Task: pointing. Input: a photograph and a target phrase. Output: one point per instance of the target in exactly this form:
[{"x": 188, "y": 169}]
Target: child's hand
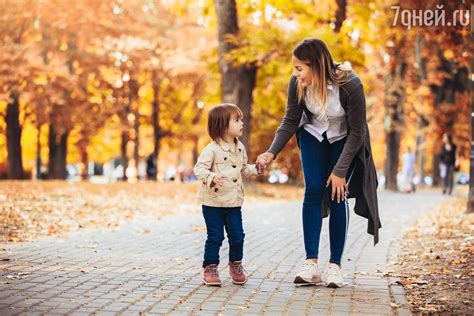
[
  {"x": 265, "y": 158},
  {"x": 219, "y": 180},
  {"x": 260, "y": 168}
]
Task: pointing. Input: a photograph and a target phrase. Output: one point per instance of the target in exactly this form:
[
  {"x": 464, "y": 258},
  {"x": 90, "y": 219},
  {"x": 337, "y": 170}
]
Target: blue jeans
[
  {"x": 318, "y": 160},
  {"x": 218, "y": 218}
]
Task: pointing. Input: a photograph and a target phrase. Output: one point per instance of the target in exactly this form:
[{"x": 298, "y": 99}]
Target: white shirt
[{"x": 333, "y": 122}]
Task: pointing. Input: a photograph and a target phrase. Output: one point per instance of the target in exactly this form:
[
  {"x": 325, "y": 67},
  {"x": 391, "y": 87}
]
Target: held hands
[
  {"x": 339, "y": 186},
  {"x": 262, "y": 161},
  {"x": 265, "y": 159}
]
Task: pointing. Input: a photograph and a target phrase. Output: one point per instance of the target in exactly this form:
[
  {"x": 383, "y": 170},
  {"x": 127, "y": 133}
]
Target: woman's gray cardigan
[{"x": 355, "y": 162}]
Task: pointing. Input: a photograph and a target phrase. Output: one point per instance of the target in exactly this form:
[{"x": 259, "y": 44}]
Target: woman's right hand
[{"x": 265, "y": 158}]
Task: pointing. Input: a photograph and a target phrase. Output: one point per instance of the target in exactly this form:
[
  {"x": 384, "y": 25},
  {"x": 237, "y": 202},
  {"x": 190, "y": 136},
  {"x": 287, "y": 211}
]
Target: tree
[
  {"x": 470, "y": 206},
  {"x": 15, "y": 27},
  {"x": 237, "y": 81},
  {"x": 15, "y": 162}
]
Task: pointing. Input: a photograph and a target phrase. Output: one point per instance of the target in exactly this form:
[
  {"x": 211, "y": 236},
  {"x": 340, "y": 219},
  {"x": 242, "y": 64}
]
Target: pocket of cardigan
[{"x": 221, "y": 192}]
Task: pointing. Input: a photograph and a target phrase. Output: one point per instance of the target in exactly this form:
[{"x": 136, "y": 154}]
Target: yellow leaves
[
  {"x": 32, "y": 209},
  {"x": 63, "y": 47},
  {"x": 459, "y": 260},
  {"x": 436, "y": 258},
  {"x": 446, "y": 271},
  {"x": 53, "y": 208},
  {"x": 41, "y": 79},
  {"x": 448, "y": 54},
  {"x": 95, "y": 99},
  {"x": 198, "y": 228}
]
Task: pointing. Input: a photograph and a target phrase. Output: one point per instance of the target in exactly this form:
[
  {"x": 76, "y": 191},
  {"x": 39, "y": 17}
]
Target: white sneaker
[
  {"x": 309, "y": 273},
  {"x": 334, "y": 276}
]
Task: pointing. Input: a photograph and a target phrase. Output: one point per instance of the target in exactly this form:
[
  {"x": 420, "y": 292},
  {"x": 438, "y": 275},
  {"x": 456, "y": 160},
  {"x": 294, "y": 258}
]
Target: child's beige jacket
[{"x": 225, "y": 160}]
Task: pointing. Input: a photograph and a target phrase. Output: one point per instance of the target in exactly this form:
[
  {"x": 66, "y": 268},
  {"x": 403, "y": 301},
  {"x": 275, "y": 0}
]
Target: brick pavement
[{"x": 154, "y": 267}]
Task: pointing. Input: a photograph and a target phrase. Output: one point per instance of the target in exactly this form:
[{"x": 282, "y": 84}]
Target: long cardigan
[{"x": 355, "y": 162}]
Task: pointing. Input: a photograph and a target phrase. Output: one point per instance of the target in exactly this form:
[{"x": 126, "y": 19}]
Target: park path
[{"x": 154, "y": 267}]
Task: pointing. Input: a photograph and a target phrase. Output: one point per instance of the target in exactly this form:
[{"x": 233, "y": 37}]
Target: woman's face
[
  {"x": 445, "y": 138},
  {"x": 303, "y": 72}
]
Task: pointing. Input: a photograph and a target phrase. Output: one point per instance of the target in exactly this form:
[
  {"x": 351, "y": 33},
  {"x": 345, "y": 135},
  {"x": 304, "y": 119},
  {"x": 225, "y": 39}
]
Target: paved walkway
[{"x": 154, "y": 267}]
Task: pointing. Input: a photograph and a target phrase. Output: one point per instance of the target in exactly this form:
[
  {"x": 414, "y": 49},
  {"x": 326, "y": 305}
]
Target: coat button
[
  {"x": 235, "y": 180},
  {"x": 234, "y": 166},
  {"x": 216, "y": 189},
  {"x": 225, "y": 158},
  {"x": 240, "y": 149}
]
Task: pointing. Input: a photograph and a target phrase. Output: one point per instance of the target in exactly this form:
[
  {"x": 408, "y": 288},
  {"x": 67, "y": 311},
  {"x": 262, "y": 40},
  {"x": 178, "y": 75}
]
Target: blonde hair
[
  {"x": 315, "y": 54},
  {"x": 219, "y": 118}
]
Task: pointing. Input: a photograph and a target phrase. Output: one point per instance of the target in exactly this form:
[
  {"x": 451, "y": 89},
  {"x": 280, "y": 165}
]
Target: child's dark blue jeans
[{"x": 217, "y": 219}]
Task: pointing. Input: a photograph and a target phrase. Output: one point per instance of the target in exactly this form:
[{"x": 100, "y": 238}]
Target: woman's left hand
[{"x": 339, "y": 186}]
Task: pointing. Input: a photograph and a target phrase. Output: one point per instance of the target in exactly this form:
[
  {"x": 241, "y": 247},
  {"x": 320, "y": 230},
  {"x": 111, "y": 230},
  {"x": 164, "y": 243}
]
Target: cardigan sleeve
[
  {"x": 248, "y": 170},
  {"x": 202, "y": 169},
  {"x": 357, "y": 123},
  {"x": 289, "y": 124}
]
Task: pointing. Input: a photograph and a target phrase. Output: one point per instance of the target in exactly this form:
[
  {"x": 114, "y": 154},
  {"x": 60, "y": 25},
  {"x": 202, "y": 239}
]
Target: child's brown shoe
[
  {"x": 211, "y": 275},
  {"x": 237, "y": 273}
]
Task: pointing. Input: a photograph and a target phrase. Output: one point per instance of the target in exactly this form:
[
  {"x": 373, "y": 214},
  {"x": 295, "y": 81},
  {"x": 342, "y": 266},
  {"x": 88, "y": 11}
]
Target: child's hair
[{"x": 219, "y": 118}]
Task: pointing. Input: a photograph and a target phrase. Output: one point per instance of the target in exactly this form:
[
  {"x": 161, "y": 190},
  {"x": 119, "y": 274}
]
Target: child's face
[
  {"x": 302, "y": 71},
  {"x": 236, "y": 126}
]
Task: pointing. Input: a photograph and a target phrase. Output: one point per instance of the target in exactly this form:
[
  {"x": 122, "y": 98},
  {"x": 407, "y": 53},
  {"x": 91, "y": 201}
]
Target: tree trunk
[
  {"x": 15, "y": 162},
  {"x": 394, "y": 98},
  {"x": 123, "y": 153},
  {"x": 195, "y": 140},
  {"x": 156, "y": 119},
  {"x": 420, "y": 154},
  {"x": 420, "y": 127},
  {"x": 392, "y": 159},
  {"x": 57, "y": 152},
  {"x": 436, "y": 175},
  {"x": 85, "y": 162},
  {"x": 38, "y": 154},
  {"x": 340, "y": 14},
  {"x": 136, "y": 148},
  {"x": 470, "y": 205},
  {"x": 60, "y": 125},
  {"x": 237, "y": 82},
  {"x": 132, "y": 94}
]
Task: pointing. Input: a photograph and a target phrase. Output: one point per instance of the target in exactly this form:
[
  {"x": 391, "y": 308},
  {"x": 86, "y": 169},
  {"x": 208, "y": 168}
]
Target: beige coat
[{"x": 225, "y": 160}]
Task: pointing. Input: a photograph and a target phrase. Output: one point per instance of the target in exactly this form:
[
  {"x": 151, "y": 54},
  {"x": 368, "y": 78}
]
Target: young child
[{"x": 220, "y": 168}]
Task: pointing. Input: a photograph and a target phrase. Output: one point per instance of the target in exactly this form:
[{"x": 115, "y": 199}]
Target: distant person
[
  {"x": 151, "y": 167},
  {"x": 220, "y": 167},
  {"x": 448, "y": 163},
  {"x": 408, "y": 171}
]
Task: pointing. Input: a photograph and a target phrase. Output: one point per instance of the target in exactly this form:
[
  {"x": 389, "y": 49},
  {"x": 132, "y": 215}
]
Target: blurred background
[{"x": 109, "y": 91}]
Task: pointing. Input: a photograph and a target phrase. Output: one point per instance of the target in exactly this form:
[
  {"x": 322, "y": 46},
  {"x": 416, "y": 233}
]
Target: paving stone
[{"x": 161, "y": 272}]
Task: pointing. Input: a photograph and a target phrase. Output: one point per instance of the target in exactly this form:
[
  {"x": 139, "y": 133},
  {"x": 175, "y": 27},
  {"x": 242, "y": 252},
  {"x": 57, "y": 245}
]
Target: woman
[
  {"x": 326, "y": 110},
  {"x": 448, "y": 163},
  {"x": 408, "y": 171}
]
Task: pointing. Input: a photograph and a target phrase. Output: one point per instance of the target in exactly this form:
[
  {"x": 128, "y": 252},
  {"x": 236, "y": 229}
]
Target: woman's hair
[
  {"x": 314, "y": 53},
  {"x": 449, "y": 138},
  {"x": 219, "y": 118}
]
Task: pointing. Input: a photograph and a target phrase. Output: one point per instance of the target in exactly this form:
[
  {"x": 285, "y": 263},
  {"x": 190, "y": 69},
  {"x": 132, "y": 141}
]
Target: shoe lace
[
  {"x": 307, "y": 266},
  {"x": 333, "y": 270},
  {"x": 237, "y": 268},
  {"x": 212, "y": 270}
]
